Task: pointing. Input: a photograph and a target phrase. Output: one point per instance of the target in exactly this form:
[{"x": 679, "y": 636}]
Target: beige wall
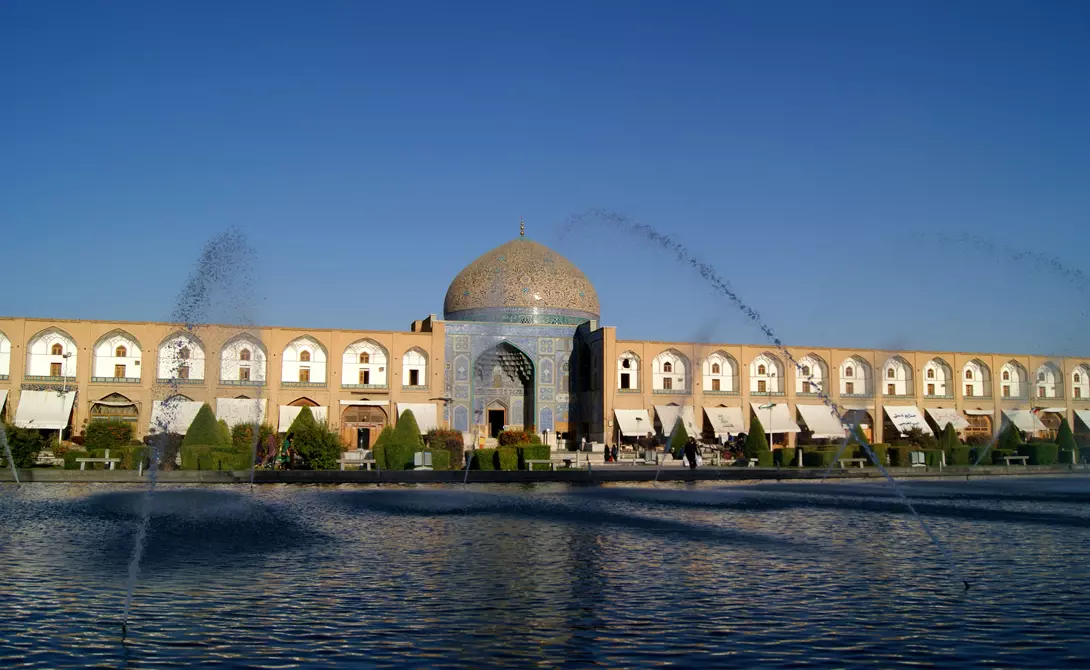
[{"x": 275, "y": 339}]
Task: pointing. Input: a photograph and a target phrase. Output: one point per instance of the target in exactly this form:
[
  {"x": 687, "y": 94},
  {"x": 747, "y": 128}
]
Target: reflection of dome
[{"x": 521, "y": 282}]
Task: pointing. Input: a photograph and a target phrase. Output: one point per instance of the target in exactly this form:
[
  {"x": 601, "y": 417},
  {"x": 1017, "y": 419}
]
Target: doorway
[
  {"x": 363, "y": 438},
  {"x": 496, "y": 421}
]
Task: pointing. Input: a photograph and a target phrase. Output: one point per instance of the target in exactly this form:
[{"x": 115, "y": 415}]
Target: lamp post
[{"x": 64, "y": 392}]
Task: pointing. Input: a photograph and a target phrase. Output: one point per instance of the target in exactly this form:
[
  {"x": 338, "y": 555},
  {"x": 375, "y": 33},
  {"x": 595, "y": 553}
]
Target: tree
[
  {"x": 317, "y": 446},
  {"x": 756, "y": 441},
  {"x": 303, "y": 422},
  {"x": 948, "y": 439},
  {"x": 1065, "y": 438},
  {"x": 225, "y": 432},
  {"x": 919, "y": 439},
  {"x": 205, "y": 431},
  {"x": 1011, "y": 438},
  {"x": 24, "y": 444},
  {"x": 407, "y": 432},
  {"x": 678, "y": 439}
]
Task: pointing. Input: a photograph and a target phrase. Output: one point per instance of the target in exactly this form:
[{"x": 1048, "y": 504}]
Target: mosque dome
[{"x": 521, "y": 282}]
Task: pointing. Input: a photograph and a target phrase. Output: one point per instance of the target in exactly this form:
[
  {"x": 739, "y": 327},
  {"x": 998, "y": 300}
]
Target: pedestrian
[
  {"x": 690, "y": 453},
  {"x": 615, "y": 451}
]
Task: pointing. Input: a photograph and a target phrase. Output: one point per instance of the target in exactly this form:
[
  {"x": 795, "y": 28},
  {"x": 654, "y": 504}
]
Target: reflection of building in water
[{"x": 520, "y": 345}]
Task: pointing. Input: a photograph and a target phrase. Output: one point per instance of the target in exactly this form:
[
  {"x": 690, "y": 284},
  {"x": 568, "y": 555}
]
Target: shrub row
[
  {"x": 131, "y": 457},
  {"x": 107, "y": 434},
  {"x": 508, "y": 458},
  {"x": 214, "y": 458}
]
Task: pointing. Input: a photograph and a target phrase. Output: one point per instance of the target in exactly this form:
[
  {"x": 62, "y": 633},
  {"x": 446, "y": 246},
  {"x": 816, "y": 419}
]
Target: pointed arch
[
  {"x": 720, "y": 373},
  {"x": 937, "y": 379},
  {"x": 364, "y": 364},
  {"x": 811, "y": 375},
  {"x": 414, "y": 368},
  {"x": 51, "y": 352},
  {"x": 670, "y": 372},
  {"x": 976, "y": 379},
  {"x": 114, "y": 407},
  {"x": 243, "y": 361},
  {"x": 181, "y": 358},
  {"x": 897, "y": 377},
  {"x": 116, "y": 356},
  {"x": 1080, "y": 382},
  {"x": 856, "y": 378},
  {"x": 1013, "y": 381},
  {"x": 766, "y": 374},
  {"x": 1049, "y": 381},
  {"x": 628, "y": 371},
  {"x": 304, "y": 362},
  {"x": 5, "y": 356}
]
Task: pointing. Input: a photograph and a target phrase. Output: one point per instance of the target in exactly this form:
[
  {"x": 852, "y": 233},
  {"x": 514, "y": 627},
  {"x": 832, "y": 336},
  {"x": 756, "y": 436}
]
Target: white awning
[
  {"x": 1057, "y": 410},
  {"x": 175, "y": 418},
  {"x": 289, "y": 412},
  {"x": 114, "y": 403},
  {"x": 822, "y": 422},
  {"x": 1083, "y": 414},
  {"x": 980, "y": 412},
  {"x": 365, "y": 403},
  {"x": 634, "y": 422},
  {"x": 943, "y": 416},
  {"x": 857, "y": 407},
  {"x": 44, "y": 409},
  {"x": 780, "y": 418},
  {"x": 424, "y": 412},
  {"x": 237, "y": 411},
  {"x": 668, "y": 415},
  {"x": 907, "y": 417},
  {"x": 726, "y": 420},
  {"x": 1025, "y": 420}
]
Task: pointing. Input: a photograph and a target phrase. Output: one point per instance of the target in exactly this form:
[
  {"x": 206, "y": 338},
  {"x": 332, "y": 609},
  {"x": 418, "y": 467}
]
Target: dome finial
[{"x": 522, "y": 228}]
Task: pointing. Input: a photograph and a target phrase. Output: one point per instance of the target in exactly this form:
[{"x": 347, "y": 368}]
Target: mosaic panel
[
  {"x": 461, "y": 391},
  {"x": 545, "y": 419},
  {"x": 461, "y": 368},
  {"x": 545, "y": 393},
  {"x": 461, "y": 343},
  {"x": 545, "y": 346},
  {"x": 461, "y": 418},
  {"x": 546, "y": 372}
]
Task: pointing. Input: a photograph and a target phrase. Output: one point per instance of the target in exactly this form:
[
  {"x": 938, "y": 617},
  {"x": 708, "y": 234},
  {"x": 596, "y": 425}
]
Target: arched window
[
  {"x": 1006, "y": 375},
  {"x": 626, "y": 363},
  {"x": 57, "y": 349},
  {"x": 365, "y": 358},
  {"x": 121, "y": 352},
  {"x": 184, "y": 353},
  {"x": 891, "y": 373},
  {"x": 304, "y": 356},
  {"x": 1078, "y": 379},
  {"x": 244, "y": 355},
  {"x": 761, "y": 370},
  {"x": 667, "y": 367},
  {"x": 715, "y": 369},
  {"x": 930, "y": 373},
  {"x": 806, "y": 371},
  {"x": 968, "y": 374},
  {"x": 849, "y": 372}
]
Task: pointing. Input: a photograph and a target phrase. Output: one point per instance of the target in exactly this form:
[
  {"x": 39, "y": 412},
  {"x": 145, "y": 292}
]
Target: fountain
[{"x": 7, "y": 453}]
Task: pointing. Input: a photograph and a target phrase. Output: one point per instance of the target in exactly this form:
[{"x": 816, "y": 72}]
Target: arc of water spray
[
  {"x": 7, "y": 454},
  {"x": 721, "y": 286}
]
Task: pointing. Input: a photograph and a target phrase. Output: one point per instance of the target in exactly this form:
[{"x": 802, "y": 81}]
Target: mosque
[{"x": 520, "y": 345}]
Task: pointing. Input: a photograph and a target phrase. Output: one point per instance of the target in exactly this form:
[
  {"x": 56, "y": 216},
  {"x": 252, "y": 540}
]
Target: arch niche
[
  {"x": 503, "y": 381},
  {"x": 115, "y": 407},
  {"x": 361, "y": 424}
]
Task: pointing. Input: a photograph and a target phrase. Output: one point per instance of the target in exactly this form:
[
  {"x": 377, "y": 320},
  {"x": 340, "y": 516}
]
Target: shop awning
[
  {"x": 289, "y": 412},
  {"x": 726, "y": 420},
  {"x": 365, "y": 403},
  {"x": 781, "y": 418},
  {"x": 943, "y": 416},
  {"x": 822, "y": 422},
  {"x": 44, "y": 409},
  {"x": 634, "y": 422},
  {"x": 175, "y": 417},
  {"x": 1057, "y": 410},
  {"x": 907, "y": 417},
  {"x": 237, "y": 411},
  {"x": 1083, "y": 414},
  {"x": 845, "y": 406},
  {"x": 980, "y": 412},
  {"x": 424, "y": 413},
  {"x": 1025, "y": 420},
  {"x": 668, "y": 415}
]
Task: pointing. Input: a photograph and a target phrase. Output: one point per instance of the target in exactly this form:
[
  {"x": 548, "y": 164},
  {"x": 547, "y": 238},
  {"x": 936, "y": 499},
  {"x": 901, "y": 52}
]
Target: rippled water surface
[{"x": 745, "y": 575}]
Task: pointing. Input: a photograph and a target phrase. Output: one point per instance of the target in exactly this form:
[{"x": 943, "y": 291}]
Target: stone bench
[
  {"x": 860, "y": 461},
  {"x": 531, "y": 462},
  {"x": 358, "y": 458},
  {"x": 1024, "y": 459},
  {"x": 105, "y": 459}
]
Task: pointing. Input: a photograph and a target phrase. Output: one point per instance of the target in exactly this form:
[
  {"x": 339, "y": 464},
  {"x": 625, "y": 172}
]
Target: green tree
[
  {"x": 1010, "y": 438},
  {"x": 948, "y": 439},
  {"x": 407, "y": 432},
  {"x": 1065, "y": 438},
  {"x": 24, "y": 444},
  {"x": 678, "y": 439},
  {"x": 205, "y": 431},
  {"x": 303, "y": 422},
  {"x": 225, "y": 432},
  {"x": 317, "y": 446},
  {"x": 385, "y": 437},
  {"x": 756, "y": 441}
]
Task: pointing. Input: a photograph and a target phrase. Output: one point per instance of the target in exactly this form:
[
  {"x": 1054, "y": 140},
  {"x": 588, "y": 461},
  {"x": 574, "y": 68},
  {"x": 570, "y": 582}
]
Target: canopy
[
  {"x": 1083, "y": 414},
  {"x": 781, "y": 418},
  {"x": 424, "y": 413},
  {"x": 943, "y": 416},
  {"x": 175, "y": 418},
  {"x": 1057, "y": 410},
  {"x": 726, "y": 420},
  {"x": 634, "y": 422},
  {"x": 1025, "y": 420},
  {"x": 289, "y": 412},
  {"x": 907, "y": 417},
  {"x": 980, "y": 412},
  {"x": 236, "y": 411},
  {"x": 822, "y": 422},
  {"x": 668, "y": 415},
  {"x": 366, "y": 403},
  {"x": 44, "y": 409}
]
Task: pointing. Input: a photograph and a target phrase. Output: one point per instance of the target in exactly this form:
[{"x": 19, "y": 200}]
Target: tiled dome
[{"x": 521, "y": 282}]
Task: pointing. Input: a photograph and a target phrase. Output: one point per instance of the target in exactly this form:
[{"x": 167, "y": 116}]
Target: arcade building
[{"x": 520, "y": 345}]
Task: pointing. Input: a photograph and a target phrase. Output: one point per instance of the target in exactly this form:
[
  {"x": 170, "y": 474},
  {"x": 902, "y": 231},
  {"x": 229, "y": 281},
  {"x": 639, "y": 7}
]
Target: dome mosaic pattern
[{"x": 521, "y": 282}]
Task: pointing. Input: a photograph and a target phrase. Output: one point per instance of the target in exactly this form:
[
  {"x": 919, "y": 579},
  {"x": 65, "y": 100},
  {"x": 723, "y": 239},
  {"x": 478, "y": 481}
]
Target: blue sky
[{"x": 815, "y": 153}]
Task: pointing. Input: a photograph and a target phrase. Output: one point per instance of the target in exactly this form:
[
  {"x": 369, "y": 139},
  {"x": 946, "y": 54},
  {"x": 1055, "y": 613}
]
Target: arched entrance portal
[
  {"x": 361, "y": 425},
  {"x": 503, "y": 380},
  {"x": 115, "y": 407}
]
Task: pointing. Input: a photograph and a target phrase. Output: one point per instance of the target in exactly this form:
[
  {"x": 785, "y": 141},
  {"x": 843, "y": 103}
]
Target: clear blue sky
[{"x": 812, "y": 151}]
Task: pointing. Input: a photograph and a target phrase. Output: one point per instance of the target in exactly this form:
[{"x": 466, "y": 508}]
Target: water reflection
[{"x": 831, "y": 574}]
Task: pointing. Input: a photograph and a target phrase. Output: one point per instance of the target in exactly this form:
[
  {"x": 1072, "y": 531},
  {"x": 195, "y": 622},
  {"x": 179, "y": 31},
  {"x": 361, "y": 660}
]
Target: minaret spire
[{"x": 522, "y": 228}]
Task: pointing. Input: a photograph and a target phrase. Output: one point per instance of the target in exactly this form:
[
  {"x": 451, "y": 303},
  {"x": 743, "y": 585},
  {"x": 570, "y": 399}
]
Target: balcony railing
[
  {"x": 303, "y": 385},
  {"x": 938, "y": 396},
  {"x": 807, "y": 394},
  {"x": 242, "y": 382},
  {"x": 369, "y": 387},
  {"x": 767, "y": 394},
  {"x": 629, "y": 391},
  {"x": 1015, "y": 396},
  {"x": 866, "y": 394},
  {"x": 115, "y": 380},
  {"x": 671, "y": 391},
  {"x": 720, "y": 392},
  {"x": 49, "y": 378},
  {"x": 3, "y": 378},
  {"x": 179, "y": 381},
  {"x": 901, "y": 396},
  {"x": 414, "y": 387}
]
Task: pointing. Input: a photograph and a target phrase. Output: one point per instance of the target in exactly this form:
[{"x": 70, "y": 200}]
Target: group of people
[{"x": 730, "y": 447}]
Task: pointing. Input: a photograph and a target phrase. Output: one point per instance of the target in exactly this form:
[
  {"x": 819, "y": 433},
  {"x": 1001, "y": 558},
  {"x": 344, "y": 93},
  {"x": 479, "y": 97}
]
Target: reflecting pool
[{"x": 694, "y": 575}]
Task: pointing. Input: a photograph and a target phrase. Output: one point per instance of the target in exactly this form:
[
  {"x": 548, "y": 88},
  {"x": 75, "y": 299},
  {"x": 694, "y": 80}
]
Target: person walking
[{"x": 690, "y": 453}]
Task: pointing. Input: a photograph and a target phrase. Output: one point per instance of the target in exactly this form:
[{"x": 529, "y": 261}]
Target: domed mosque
[{"x": 515, "y": 317}]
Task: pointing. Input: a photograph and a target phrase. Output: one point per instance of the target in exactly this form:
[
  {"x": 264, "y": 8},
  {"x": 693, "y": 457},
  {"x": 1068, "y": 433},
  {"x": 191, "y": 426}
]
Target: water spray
[
  {"x": 7, "y": 454},
  {"x": 723, "y": 287}
]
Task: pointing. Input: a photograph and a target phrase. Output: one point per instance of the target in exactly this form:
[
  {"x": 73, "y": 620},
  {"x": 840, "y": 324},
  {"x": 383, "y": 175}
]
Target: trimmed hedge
[
  {"x": 1040, "y": 453},
  {"x": 484, "y": 459},
  {"x": 1068, "y": 456},
  {"x": 784, "y": 458},
  {"x": 880, "y": 450},
  {"x": 379, "y": 452},
  {"x": 70, "y": 459},
  {"x": 534, "y": 452},
  {"x": 514, "y": 438},
  {"x": 508, "y": 458},
  {"x": 822, "y": 458},
  {"x": 213, "y": 458},
  {"x": 959, "y": 456},
  {"x": 107, "y": 434},
  {"x": 440, "y": 459},
  {"x": 450, "y": 441},
  {"x": 400, "y": 456},
  {"x": 764, "y": 459},
  {"x": 899, "y": 456},
  {"x": 998, "y": 454},
  {"x": 932, "y": 457},
  {"x": 131, "y": 457},
  {"x": 205, "y": 431}
]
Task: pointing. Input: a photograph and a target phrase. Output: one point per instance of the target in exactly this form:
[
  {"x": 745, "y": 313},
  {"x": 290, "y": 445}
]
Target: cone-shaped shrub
[
  {"x": 225, "y": 432},
  {"x": 756, "y": 442},
  {"x": 678, "y": 439},
  {"x": 1011, "y": 438},
  {"x": 304, "y": 422},
  {"x": 1064, "y": 438},
  {"x": 205, "y": 431},
  {"x": 949, "y": 438},
  {"x": 384, "y": 440},
  {"x": 407, "y": 432}
]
